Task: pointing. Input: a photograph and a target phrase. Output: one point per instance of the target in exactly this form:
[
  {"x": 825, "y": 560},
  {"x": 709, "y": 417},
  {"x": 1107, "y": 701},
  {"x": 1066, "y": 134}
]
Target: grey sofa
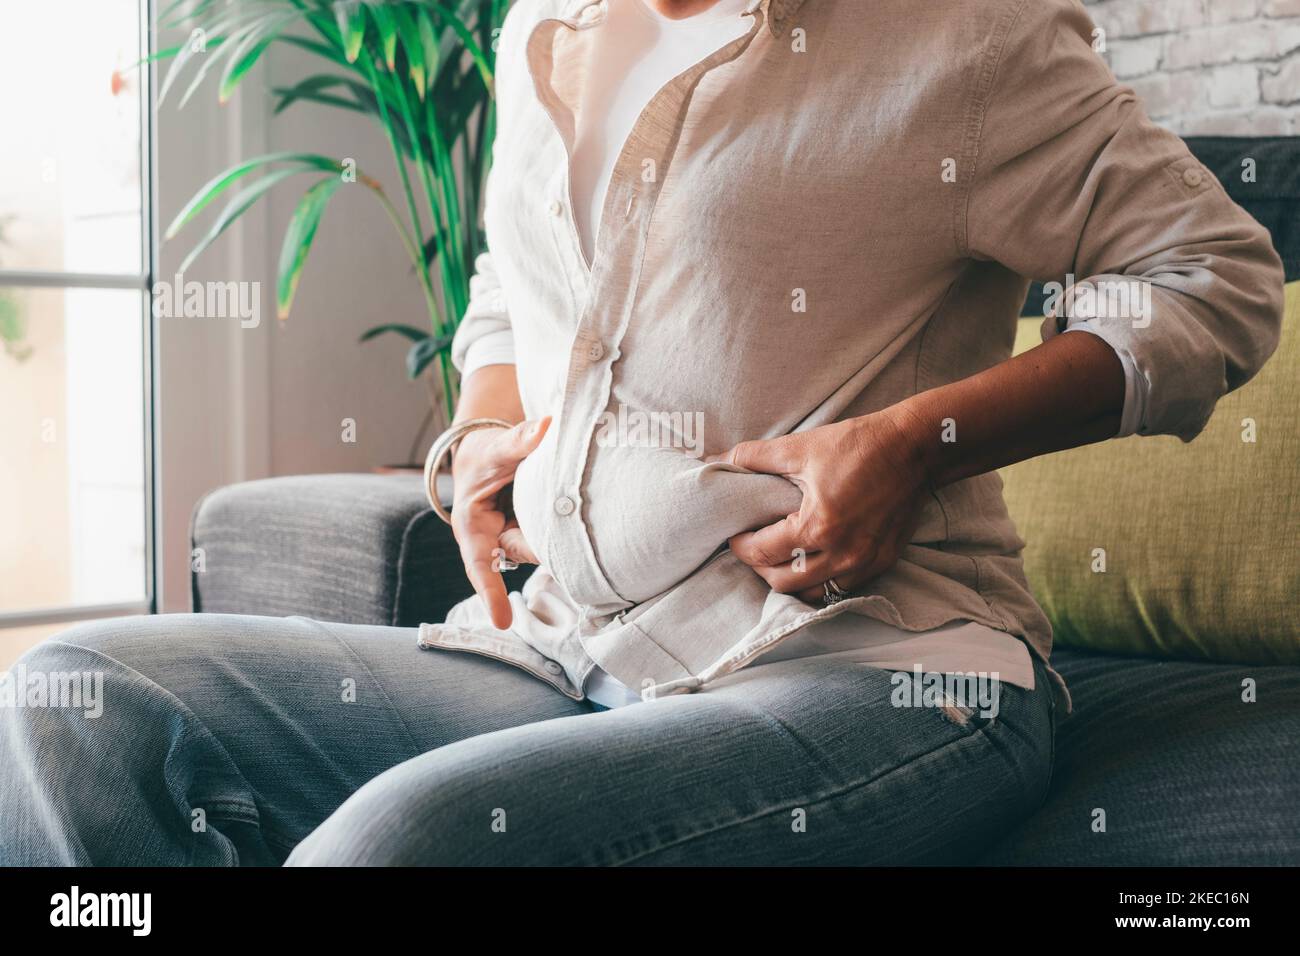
[{"x": 1184, "y": 773}]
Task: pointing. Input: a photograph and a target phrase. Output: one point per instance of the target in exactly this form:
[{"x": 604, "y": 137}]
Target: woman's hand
[
  {"x": 863, "y": 482},
  {"x": 484, "y": 463}
]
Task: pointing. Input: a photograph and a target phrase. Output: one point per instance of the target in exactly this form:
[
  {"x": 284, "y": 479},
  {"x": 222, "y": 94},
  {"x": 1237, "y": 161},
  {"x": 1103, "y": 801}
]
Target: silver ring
[{"x": 832, "y": 593}]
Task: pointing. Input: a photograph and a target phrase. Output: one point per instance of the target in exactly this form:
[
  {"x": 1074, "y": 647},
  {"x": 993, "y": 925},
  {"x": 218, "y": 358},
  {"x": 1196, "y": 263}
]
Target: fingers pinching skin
[
  {"x": 863, "y": 493},
  {"x": 774, "y": 456},
  {"x": 773, "y": 545}
]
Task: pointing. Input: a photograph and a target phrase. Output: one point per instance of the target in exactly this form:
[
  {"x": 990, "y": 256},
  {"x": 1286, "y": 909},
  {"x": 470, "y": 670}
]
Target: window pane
[
  {"x": 72, "y": 485},
  {"x": 70, "y": 167}
]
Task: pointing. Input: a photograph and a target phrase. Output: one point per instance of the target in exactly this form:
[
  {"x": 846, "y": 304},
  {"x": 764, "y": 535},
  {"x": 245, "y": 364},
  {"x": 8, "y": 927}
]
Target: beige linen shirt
[{"x": 831, "y": 213}]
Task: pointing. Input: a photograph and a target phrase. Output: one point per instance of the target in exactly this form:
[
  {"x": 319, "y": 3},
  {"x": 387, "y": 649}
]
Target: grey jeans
[{"x": 242, "y": 740}]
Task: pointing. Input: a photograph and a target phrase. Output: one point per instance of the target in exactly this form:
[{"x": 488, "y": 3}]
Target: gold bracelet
[{"x": 443, "y": 447}]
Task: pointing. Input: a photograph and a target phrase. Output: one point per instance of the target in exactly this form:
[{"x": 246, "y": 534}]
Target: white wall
[
  {"x": 358, "y": 276},
  {"x": 237, "y": 404}
]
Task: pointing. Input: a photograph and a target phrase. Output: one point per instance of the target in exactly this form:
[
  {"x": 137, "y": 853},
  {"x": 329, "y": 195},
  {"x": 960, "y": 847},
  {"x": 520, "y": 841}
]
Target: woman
[{"x": 736, "y": 376}]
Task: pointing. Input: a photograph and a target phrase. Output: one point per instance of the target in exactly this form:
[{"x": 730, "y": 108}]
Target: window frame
[{"x": 141, "y": 282}]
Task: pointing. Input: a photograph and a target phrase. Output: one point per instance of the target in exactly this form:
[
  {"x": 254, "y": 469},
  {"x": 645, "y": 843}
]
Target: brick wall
[{"x": 1229, "y": 67}]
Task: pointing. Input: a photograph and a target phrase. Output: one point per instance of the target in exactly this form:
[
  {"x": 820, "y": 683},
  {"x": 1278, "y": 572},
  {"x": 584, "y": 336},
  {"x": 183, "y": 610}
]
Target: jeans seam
[
  {"x": 270, "y": 835},
  {"x": 786, "y": 806},
  {"x": 397, "y": 713},
  {"x": 232, "y": 809}
]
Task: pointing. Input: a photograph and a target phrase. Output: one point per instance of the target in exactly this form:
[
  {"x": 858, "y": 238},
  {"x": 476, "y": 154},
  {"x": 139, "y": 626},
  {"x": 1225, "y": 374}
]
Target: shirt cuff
[
  {"x": 1133, "y": 418},
  {"x": 494, "y": 348}
]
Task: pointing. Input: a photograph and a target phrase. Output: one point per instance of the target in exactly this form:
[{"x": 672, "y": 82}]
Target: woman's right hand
[{"x": 484, "y": 463}]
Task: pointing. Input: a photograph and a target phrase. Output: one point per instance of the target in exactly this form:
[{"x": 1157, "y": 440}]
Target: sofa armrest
[{"x": 357, "y": 549}]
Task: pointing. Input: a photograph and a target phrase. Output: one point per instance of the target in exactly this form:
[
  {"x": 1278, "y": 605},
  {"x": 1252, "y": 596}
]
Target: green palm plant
[{"x": 422, "y": 70}]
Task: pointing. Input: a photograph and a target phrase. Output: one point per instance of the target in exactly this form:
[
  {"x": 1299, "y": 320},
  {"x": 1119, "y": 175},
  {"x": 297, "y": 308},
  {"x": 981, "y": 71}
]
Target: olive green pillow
[{"x": 1199, "y": 542}]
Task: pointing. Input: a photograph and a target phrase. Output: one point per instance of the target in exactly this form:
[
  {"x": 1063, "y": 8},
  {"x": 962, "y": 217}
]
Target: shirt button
[
  {"x": 553, "y": 668},
  {"x": 555, "y": 207},
  {"x": 1192, "y": 177},
  {"x": 596, "y": 352},
  {"x": 564, "y": 505}
]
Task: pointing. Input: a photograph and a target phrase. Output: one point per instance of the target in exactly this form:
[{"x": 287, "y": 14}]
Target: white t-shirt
[{"x": 638, "y": 52}]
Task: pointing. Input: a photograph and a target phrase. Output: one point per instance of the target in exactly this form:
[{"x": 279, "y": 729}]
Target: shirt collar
[{"x": 778, "y": 12}]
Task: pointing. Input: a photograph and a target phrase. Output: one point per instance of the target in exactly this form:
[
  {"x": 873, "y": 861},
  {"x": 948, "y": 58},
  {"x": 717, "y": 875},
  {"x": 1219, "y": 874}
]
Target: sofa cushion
[
  {"x": 1187, "y": 772},
  {"x": 1199, "y": 541},
  {"x": 358, "y": 549}
]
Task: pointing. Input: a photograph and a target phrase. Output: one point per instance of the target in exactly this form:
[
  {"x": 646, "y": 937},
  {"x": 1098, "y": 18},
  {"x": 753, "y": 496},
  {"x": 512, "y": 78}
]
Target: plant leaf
[
  {"x": 315, "y": 46},
  {"x": 313, "y": 87},
  {"x": 324, "y": 99},
  {"x": 248, "y": 53},
  {"x": 225, "y": 180},
  {"x": 424, "y": 352},
  {"x": 412, "y": 46},
  {"x": 235, "y": 45},
  {"x": 467, "y": 38},
  {"x": 429, "y": 45},
  {"x": 171, "y": 14},
  {"x": 351, "y": 17},
  {"x": 430, "y": 251},
  {"x": 215, "y": 37},
  {"x": 409, "y": 331},
  {"x": 387, "y": 27},
  {"x": 312, "y": 90},
  {"x": 11, "y": 319},
  {"x": 236, "y": 208},
  {"x": 298, "y": 239}
]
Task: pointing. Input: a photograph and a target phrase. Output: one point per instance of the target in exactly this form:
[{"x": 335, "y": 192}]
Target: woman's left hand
[{"x": 863, "y": 482}]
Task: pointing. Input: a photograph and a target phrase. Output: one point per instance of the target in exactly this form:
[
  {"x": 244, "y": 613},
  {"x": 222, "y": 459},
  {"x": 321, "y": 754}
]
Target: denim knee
[
  {"x": 54, "y": 767},
  {"x": 373, "y": 828},
  {"x": 96, "y": 762},
  {"x": 71, "y": 687},
  {"x": 429, "y": 811},
  {"x": 50, "y": 685}
]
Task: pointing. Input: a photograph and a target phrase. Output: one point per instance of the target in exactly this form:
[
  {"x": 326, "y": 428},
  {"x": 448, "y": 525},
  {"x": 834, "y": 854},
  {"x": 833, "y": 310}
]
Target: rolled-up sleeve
[
  {"x": 483, "y": 336},
  {"x": 1071, "y": 178},
  {"x": 1132, "y": 419}
]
